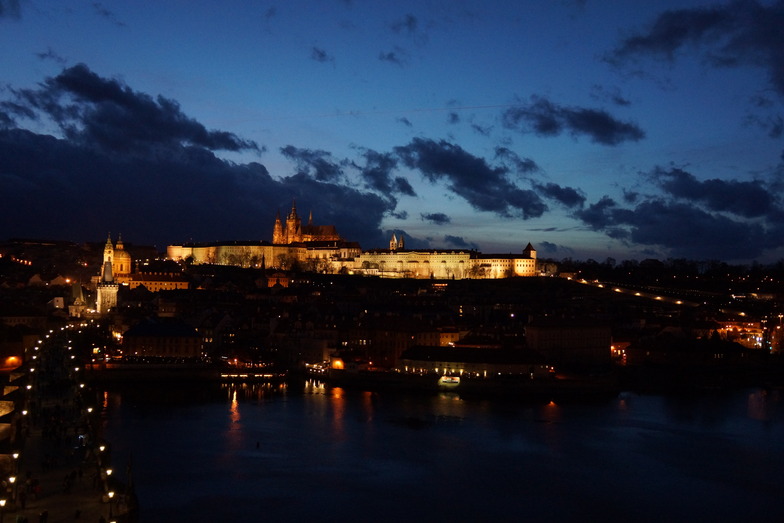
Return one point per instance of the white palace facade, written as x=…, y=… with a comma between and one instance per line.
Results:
x=320, y=249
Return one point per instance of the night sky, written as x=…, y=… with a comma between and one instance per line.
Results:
x=591, y=129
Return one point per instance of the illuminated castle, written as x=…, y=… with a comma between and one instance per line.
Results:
x=399, y=262
x=316, y=247
x=295, y=232
x=319, y=248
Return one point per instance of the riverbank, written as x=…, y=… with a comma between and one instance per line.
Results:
x=61, y=476
x=609, y=382
x=62, y=467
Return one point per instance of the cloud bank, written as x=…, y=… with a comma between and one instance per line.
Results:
x=546, y=118
x=740, y=33
x=128, y=162
x=710, y=219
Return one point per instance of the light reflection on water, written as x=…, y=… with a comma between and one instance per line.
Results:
x=308, y=451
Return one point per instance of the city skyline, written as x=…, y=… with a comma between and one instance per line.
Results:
x=589, y=129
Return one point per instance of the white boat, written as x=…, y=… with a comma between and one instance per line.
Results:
x=448, y=382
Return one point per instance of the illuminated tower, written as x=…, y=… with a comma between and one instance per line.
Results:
x=108, y=251
x=106, y=297
x=293, y=225
x=395, y=244
x=278, y=234
x=529, y=251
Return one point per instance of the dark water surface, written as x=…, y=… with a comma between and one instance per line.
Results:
x=246, y=453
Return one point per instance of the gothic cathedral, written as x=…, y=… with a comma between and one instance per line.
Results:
x=294, y=232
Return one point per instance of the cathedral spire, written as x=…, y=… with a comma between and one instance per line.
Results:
x=278, y=235
x=293, y=225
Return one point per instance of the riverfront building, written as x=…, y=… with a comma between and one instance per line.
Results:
x=162, y=339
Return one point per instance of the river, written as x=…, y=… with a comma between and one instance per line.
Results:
x=253, y=452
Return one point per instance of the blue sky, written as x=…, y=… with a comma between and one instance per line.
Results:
x=590, y=129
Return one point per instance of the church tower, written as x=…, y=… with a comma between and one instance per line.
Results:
x=529, y=251
x=108, y=251
x=395, y=244
x=293, y=225
x=278, y=235
x=106, y=297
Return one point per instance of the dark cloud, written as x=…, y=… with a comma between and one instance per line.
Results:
x=49, y=54
x=408, y=25
x=173, y=189
x=691, y=232
x=552, y=249
x=695, y=219
x=761, y=115
x=6, y=120
x=738, y=33
x=316, y=163
x=748, y=199
x=105, y=13
x=270, y=13
x=453, y=118
x=486, y=188
x=460, y=242
x=761, y=101
x=612, y=95
x=10, y=9
x=377, y=174
x=630, y=196
x=521, y=165
x=484, y=131
x=82, y=192
x=320, y=55
x=104, y=113
x=10, y=111
x=606, y=216
x=674, y=29
x=545, y=118
x=397, y=56
x=567, y=196
x=437, y=218
x=773, y=124
x=405, y=121
x=402, y=186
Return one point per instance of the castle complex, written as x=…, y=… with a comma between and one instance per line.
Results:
x=320, y=248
